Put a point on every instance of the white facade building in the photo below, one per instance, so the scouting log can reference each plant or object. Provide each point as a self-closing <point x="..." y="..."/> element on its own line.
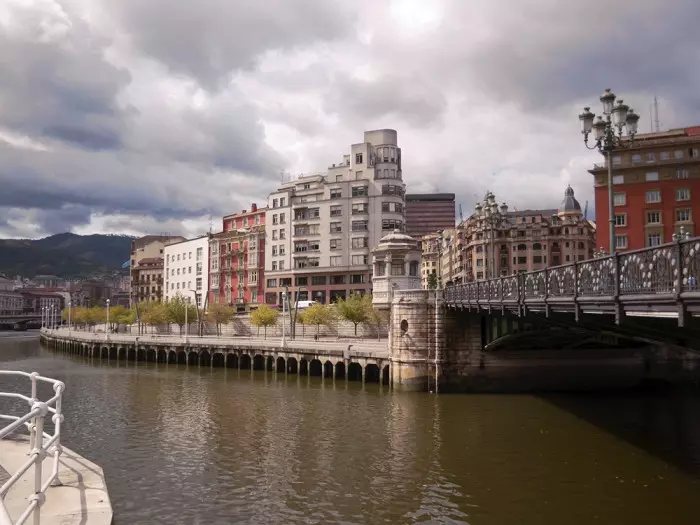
<point x="187" y="269"/>
<point x="320" y="229"/>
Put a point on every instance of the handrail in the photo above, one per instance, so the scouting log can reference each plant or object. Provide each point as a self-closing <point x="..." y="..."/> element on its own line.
<point x="41" y="444"/>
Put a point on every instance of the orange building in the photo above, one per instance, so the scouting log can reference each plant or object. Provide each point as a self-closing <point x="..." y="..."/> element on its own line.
<point x="237" y="260"/>
<point x="656" y="189"/>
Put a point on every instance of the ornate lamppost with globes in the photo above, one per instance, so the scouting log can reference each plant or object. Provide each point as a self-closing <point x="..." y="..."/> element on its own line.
<point x="608" y="134"/>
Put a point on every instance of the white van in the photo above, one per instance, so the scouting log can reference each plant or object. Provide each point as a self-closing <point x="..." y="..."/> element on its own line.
<point x="305" y="304"/>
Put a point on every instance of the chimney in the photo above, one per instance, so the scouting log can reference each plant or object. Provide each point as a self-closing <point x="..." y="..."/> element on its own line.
<point x="253" y="207"/>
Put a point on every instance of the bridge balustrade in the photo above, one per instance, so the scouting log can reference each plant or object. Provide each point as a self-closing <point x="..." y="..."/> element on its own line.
<point x="665" y="274"/>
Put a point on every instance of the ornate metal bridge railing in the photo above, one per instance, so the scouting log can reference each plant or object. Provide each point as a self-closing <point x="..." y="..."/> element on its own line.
<point x="664" y="275"/>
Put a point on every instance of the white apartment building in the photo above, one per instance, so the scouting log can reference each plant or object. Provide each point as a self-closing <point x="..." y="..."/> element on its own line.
<point x="187" y="269"/>
<point x="320" y="229"/>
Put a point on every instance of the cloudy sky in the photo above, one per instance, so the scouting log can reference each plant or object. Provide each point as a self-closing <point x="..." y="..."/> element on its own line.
<point x="150" y="116"/>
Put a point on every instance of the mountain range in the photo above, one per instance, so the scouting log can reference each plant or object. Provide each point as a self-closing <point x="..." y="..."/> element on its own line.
<point x="64" y="255"/>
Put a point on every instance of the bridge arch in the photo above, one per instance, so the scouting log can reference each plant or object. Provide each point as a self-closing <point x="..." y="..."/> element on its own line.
<point x="270" y="363"/>
<point x="151" y="355"/>
<point x="292" y="365"/>
<point x="259" y="362"/>
<point x="280" y="365"/>
<point x="204" y="358"/>
<point x="218" y="359"/>
<point x="303" y="367"/>
<point x="245" y="361"/>
<point x="372" y="373"/>
<point x="192" y="358"/>
<point x="340" y="370"/>
<point x="328" y="369"/>
<point x="231" y="360"/>
<point x="315" y="368"/>
<point x="354" y="372"/>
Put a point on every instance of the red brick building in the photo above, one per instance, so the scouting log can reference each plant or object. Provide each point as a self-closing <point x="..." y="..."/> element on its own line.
<point x="429" y="212"/>
<point x="656" y="189"/>
<point x="237" y="260"/>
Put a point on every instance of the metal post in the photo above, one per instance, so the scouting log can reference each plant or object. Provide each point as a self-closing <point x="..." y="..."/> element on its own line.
<point x="611" y="201"/>
<point x="38" y="461"/>
<point x="107" y="327"/>
<point x="187" y="326"/>
<point x="70" y="304"/>
<point x="284" y="336"/>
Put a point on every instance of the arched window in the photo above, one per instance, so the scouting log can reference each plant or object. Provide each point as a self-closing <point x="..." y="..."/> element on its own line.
<point x="522" y="247"/>
<point x="479" y="249"/>
<point x="566" y="231"/>
<point x="537" y="246"/>
<point x="413" y="268"/>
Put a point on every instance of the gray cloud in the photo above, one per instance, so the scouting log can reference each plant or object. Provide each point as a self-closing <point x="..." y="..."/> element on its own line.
<point x="209" y="39"/>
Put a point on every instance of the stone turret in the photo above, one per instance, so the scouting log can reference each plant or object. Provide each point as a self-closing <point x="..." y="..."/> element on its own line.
<point x="396" y="266"/>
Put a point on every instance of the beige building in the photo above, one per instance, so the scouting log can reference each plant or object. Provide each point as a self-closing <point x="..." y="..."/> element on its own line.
<point x="187" y="269"/>
<point x="10" y="302"/>
<point x="146" y="266"/>
<point x="322" y="228"/>
<point x="495" y="242"/>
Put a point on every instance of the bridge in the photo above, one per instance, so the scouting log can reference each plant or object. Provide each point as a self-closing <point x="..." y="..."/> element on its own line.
<point x="21" y="321"/>
<point x="658" y="282"/>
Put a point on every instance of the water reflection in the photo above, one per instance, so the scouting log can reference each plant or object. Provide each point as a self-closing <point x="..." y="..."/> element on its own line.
<point x="189" y="445"/>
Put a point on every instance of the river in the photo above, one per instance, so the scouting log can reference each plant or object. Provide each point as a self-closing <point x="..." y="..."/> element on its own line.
<point x="182" y="445"/>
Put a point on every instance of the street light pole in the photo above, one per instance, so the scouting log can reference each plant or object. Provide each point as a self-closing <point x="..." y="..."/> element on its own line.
<point x="42" y="310"/>
<point x="70" y="304"/>
<point x="107" y="327"/>
<point x="608" y="134"/>
<point x="284" y="336"/>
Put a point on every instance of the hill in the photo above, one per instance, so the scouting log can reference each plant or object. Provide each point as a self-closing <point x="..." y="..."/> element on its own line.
<point x="64" y="255"/>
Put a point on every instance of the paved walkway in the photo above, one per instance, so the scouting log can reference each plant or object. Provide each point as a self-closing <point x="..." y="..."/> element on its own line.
<point x="81" y="498"/>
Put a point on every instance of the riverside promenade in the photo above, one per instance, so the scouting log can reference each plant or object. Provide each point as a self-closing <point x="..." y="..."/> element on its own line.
<point x="358" y="359"/>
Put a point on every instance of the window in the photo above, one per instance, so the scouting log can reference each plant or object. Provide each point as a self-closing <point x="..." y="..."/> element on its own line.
<point x="281" y="265"/>
<point x="286" y="281"/>
<point x="653" y="239"/>
<point x="339" y="178"/>
<point x="274" y="250"/>
<point x="678" y="154"/>
<point x="621" y="219"/>
<point x="537" y="259"/>
<point x="682" y="194"/>
<point x="665" y="155"/>
<point x="620" y="242"/>
<point x="681" y="173"/>
<point x="620" y="199"/>
<point x="522" y="260"/>
<point x="283" y="234"/>
<point x="275" y="203"/>
<point x="253" y="296"/>
<point x="617" y="159"/>
<point x="336" y="260"/>
<point x="257" y="219"/>
<point x="215" y="281"/>
<point x="392" y="189"/>
<point x="200" y="252"/>
<point x="282" y="202"/>
<point x="189" y="269"/>
<point x="358" y="158"/>
<point x="301" y="281"/>
<point x="618" y="179"/>
<point x="282" y="218"/>
<point x="693" y="153"/>
<point x="651" y="157"/>
<point x="275" y="219"/>
<point x="392" y="207"/>
<point x="358" y="175"/>
<point x="360" y="209"/>
<point x="336" y="227"/>
<point x="359" y="226"/>
<point x="337" y="279"/>
<point x="359" y="191"/>
<point x="392" y="224"/>
<point x="413" y="268"/>
<point x="215" y="263"/>
<point x="636" y="158"/>
<point x="357" y="278"/>
<point x="359" y="259"/>
<point x="651" y="176"/>
<point x="318" y="280"/>
<point x="359" y="242"/>
<point x="683" y="215"/>
<point x="653" y="217"/>
<point x="178" y="256"/>
<point x="178" y="271"/>
<point x="653" y="196"/>
<point x="198" y="283"/>
<point x="336" y="211"/>
<point x="274" y="265"/>
<point x="336" y="193"/>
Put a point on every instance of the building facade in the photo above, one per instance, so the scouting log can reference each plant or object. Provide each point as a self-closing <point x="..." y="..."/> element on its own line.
<point x="186" y="270"/>
<point x="237" y="260"/>
<point x="11" y="302"/>
<point x="322" y="228"/>
<point x="656" y="183"/>
<point x="396" y="261"/>
<point x="429" y="212"/>
<point x="146" y="266"/>
<point x="496" y="242"/>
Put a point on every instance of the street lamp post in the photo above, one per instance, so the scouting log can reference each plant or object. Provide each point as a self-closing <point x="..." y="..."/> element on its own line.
<point x="107" y="327"/>
<point x="284" y="335"/>
<point x="70" y="304"/>
<point x="43" y="311"/>
<point x="493" y="216"/>
<point x="608" y="133"/>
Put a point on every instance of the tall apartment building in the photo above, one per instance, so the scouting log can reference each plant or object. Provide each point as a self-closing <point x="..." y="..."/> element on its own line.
<point x="187" y="269"/>
<point x="321" y="228"/>
<point x="429" y="212"/>
<point x="510" y="242"/>
<point x="237" y="259"/>
<point x="654" y="182"/>
<point x="146" y="266"/>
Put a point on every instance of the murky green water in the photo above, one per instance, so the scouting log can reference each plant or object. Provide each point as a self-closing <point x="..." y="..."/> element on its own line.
<point x="188" y="446"/>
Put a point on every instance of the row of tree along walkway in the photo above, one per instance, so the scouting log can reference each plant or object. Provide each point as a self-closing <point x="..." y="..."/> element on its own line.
<point x="364" y="361"/>
<point x="357" y="311"/>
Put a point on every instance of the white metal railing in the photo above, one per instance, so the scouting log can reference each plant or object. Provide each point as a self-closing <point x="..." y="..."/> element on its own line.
<point x="41" y="444"/>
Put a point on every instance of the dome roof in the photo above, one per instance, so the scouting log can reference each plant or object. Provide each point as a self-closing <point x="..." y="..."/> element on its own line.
<point x="397" y="237"/>
<point x="569" y="204"/>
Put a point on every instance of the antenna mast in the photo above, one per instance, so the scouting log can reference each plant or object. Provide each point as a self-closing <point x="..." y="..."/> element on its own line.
<point x="657" y="125"/>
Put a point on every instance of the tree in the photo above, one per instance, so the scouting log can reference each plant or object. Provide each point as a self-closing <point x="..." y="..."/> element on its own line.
<point x="180" y="311"/>
<point x="264" y="316"/>
<point x="317" y="314"/>
<point x="116" y="316"/>
<point x="432" y="281"/>
<point x="78" y="316"/>
<point x="355" y="309"/>
<point x="95" y="315"/>
<point x="220" y="314"/>
<point x="377" y="317"/>
<point x="154" y="314"/>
